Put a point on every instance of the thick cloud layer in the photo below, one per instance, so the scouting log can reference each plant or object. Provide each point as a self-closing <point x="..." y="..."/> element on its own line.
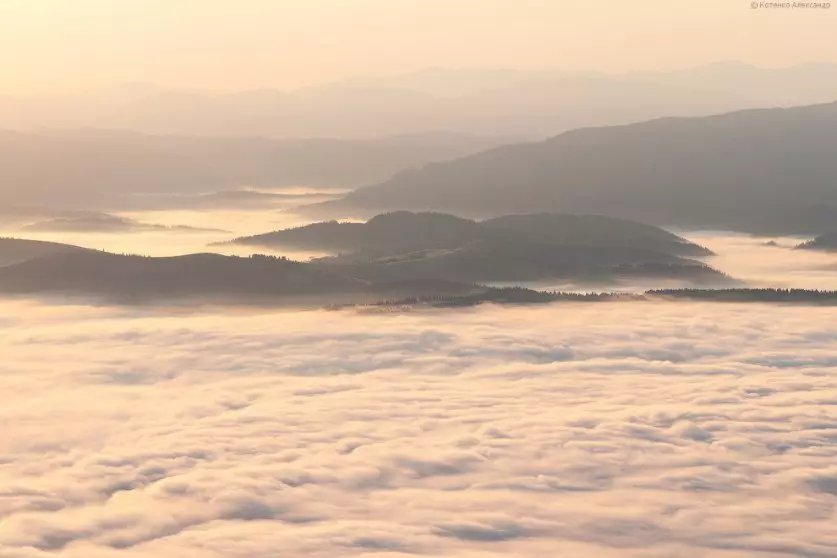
<point x="613" y="429"/>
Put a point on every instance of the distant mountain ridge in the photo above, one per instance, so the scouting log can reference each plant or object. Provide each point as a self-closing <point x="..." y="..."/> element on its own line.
<point x="527" y="104"/>
<point x="95" y="169"/>
<point x="104" y="223"/>
<point x="770" y="171"/>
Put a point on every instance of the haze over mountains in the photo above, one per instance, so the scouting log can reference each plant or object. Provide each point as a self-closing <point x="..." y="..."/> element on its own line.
<point x="570" y="208"/>
<point x="90" y="168"/>
<point x="533" y="104"/>
<point x="257" y="304"/>
<point x="104" y="223"/>
<point x="705" y="172"/>
<point x="771" y="171"/>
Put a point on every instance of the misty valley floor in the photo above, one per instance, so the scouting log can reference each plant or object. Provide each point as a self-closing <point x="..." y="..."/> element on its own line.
<point x="562" y="430"/>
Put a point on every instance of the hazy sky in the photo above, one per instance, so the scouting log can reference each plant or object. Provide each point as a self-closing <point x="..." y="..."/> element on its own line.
<point x="70" y="44"/>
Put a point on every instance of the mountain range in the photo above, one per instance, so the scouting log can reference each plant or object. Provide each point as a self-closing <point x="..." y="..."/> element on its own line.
<point x="768" y="171"/>
<point x="533" y="104"/>
<point x="84" y="169"/>
<point x="33" y="268"/>
<point x="435" y="262"/>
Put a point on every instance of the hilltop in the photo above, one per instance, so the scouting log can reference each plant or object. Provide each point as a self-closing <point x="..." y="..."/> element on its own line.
<point x="825" y="242"/>
<point x="522" y="248"/>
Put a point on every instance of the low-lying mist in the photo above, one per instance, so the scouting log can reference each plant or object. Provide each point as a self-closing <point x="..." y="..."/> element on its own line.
<point x="208" y="228"/>
<point x="769" y="262"/>
<point x="755" y="261"/>
<point x="568" y="429"/>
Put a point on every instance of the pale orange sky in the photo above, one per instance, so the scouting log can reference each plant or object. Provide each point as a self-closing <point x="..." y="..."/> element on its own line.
<point x="63" y="45"/>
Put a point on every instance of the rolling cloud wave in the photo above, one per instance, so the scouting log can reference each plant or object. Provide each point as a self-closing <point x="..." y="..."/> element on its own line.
<point x="600" y="430"/>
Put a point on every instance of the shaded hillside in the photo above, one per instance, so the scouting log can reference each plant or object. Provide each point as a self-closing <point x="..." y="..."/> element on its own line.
<point x="402" y="231"/>
<point x="825" y="243"/>
<point x="203" y="278"/>
<point x="594" y="230"/>
<point x="195" y="275"/>
<point x="513" y="260"/>
<point x="17" y="250"/>
<point x="762" y="171"/>
<point x="68" y="271"/>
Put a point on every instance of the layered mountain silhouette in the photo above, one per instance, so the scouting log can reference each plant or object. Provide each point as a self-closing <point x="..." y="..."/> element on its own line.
<point x="768" y="171"/>
<point x="401" y="245"/>
<point x="87" y="169"/>
<point x="534" y="104"/>
<point x="825" y="242"/>
<point x="242" y="199"/>
<point x="410" y="256"/>
<point x="49" y="269"/>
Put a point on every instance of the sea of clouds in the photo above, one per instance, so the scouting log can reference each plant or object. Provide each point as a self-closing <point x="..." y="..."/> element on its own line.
<point x="604" y="429"/>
